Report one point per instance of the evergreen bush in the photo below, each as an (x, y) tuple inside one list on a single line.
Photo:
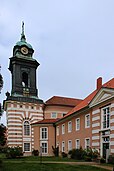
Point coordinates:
[(35, 153), (14, 152)]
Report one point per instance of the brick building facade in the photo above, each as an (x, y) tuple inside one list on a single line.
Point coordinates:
[(61, 122)]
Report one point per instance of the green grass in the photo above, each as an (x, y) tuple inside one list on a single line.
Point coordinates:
[(46, 167), (37, 158)]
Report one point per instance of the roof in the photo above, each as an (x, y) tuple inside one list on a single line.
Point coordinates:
[(46, 121), (57, 100), (24, 43), (89, 98)]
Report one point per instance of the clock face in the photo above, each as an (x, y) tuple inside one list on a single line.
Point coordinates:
[(24, 50)]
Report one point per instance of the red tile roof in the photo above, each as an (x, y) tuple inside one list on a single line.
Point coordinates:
[(46, 121), (88, 99), (57, 100)]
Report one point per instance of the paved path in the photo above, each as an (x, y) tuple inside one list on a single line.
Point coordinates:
[(71, 163)]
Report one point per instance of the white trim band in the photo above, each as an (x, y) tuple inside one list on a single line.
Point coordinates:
[(95, 131), (95, 125), (95, 144), (96, 111), (95, 138)]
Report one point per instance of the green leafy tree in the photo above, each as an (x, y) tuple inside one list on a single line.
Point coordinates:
[(2, 135), (1, 81), (1, 86)]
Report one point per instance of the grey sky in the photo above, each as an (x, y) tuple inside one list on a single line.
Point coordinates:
[(73, 42)]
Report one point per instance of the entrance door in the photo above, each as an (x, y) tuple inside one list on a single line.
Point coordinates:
[(105, 146)]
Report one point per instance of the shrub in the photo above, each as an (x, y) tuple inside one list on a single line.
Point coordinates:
[(77, 154), (35, 153), (87, 158), (102, 160), (14, 152), (64, 154), (88, 153), (80, 154), (111, 159), (55, 151), (95, 154), (1, 163)]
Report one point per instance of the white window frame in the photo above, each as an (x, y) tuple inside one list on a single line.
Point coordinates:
[(102, 118), (87, 121), (25, 128), (63, 128), (77, 124), (53, 113), (57, 130), (24, 147), (69, 145), (87, 145), (41, 129), (77, 145), (70, 126), (41, 146), (63, 146)]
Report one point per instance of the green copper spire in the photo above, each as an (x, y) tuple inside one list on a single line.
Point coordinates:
[(23, 39)]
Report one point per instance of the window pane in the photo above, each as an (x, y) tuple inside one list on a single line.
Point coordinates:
[(44, 147), (69, 126), (54, 115), (26, 128), (44, 133), (69, 145), (106, 117), (26, 146)]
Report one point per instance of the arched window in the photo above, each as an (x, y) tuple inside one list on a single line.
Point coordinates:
[(25, 79), (26, 128)]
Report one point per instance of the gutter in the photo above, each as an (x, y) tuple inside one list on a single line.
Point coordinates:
[(72, 115)]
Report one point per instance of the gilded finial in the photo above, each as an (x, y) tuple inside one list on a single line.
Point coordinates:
[(22, 34)]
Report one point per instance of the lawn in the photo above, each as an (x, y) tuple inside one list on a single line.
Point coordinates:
[(23, 166), (34, 163)]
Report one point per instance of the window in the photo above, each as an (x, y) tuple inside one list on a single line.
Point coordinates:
[(77, 124), (69, 126), (87, 143), (57, 130), (69, 145), (26, 128), (63, 114), (106, 117), (54, 115), (63, 128), (25, 79), (44, 147), (26, 146), (87, 121), (43, 133), (63, 146), (77, 144)]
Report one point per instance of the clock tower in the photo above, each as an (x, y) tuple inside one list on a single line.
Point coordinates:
[(23, 106), (23, 69)]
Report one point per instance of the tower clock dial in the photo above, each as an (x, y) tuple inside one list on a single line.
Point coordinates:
[(24, 50)]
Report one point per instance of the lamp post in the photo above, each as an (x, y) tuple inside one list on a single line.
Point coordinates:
[(41, 154)]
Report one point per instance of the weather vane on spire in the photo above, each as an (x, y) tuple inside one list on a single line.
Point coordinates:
[(22, 34)]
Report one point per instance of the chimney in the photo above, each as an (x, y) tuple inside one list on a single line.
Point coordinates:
[(99, 83)]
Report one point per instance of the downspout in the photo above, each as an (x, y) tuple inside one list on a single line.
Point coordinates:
[(55, 135)]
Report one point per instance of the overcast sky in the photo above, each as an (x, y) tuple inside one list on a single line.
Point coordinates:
[(73, 42)]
